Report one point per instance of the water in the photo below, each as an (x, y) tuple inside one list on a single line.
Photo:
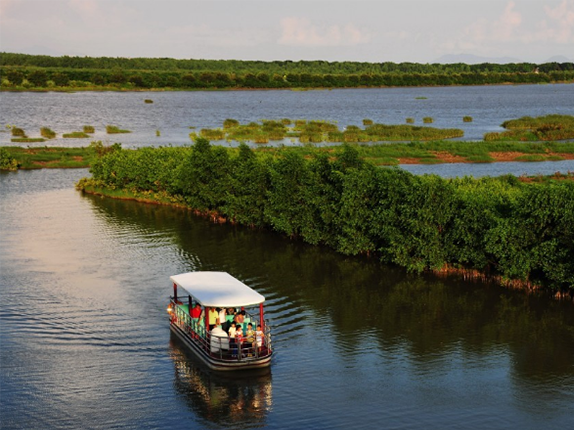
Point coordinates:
[(173, 113), (85, 340)]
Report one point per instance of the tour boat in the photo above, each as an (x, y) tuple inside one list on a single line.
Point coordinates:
[(190, 320)]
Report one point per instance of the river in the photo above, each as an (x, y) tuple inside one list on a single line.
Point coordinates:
[(85, 339)]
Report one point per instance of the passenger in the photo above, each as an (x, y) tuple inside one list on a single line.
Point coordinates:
[(259, 337), (196, 311), (232, 330), (219, 339), (222, 319), (238, 335), (249, 336), (213, 317), (239, 318)]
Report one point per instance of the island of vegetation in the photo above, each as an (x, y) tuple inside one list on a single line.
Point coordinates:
[(518, 232), (22, 72)]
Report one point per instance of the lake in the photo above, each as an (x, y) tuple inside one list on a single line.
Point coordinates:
[(176, 114), (85, 339)]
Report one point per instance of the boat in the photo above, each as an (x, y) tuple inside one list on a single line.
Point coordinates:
[(212, 291)]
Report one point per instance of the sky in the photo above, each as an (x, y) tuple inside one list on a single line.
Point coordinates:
[(419, 31)]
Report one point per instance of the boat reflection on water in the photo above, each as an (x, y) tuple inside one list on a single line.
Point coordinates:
[(243, 397)]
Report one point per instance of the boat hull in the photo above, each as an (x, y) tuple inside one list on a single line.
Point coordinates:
[(216, 363)]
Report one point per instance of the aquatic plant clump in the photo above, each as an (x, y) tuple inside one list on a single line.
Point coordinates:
[(466, 118), (89, 129), (112, 129), (7, 161), (542, 128), (75, 135), (47, 133)]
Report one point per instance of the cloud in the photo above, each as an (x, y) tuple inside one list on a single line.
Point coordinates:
[(502, 29), (84, 7), (300, 32), (561, 26), (4, 6)]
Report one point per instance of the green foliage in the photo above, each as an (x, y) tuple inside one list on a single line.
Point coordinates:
[(47, 133), (76, 135), (89, 129), (17, 131), (410, 120), (542, 128), (112, 129), (7, 162), (332, 197), (428, 120), (467, 118)]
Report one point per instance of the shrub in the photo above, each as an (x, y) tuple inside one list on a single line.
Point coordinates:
[(47, 133), (17, 131)]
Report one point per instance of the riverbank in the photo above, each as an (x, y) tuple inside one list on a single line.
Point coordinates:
[(385, 154), (516, 231)]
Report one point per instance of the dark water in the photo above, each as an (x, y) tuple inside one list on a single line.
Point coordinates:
[(172, 113), (85, 340)]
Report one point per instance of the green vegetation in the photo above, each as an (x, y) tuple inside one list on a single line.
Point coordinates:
[(89, 129), (41, 72), (548, 127), (410, 120), (467, 118), (27, 139), (47, 133), (322, 131), (428, 120), (514, 230), (18, 132), (112, 129), (148, 101), (14, 157), (7, 161), (75, 135)]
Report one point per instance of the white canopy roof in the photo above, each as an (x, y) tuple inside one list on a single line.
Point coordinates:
[(217, 289)]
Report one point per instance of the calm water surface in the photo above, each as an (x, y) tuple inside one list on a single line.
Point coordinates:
[(85, 340), (173, 113)]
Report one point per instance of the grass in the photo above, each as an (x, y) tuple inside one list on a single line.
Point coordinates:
[(112, 129), (428, 120), (542, 128), (466, 118), (148, 101), (75, 135), (51, 157), (89, 129)]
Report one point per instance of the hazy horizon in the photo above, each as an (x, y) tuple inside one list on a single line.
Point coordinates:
[(418, 31)]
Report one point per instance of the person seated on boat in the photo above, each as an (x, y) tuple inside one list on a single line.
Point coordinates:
[(219, 339), (213, 317), (196, 311)]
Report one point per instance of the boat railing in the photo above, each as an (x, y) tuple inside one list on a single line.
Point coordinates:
[(221, 347)]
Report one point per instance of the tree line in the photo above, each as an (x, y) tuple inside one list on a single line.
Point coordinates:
[(144, 73), (498, 226)]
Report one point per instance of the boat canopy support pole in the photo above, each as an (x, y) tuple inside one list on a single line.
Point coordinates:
[(261, 319), (175, 292), (189, 301)]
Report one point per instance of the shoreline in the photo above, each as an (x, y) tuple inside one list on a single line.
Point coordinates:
[(447, 270)]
